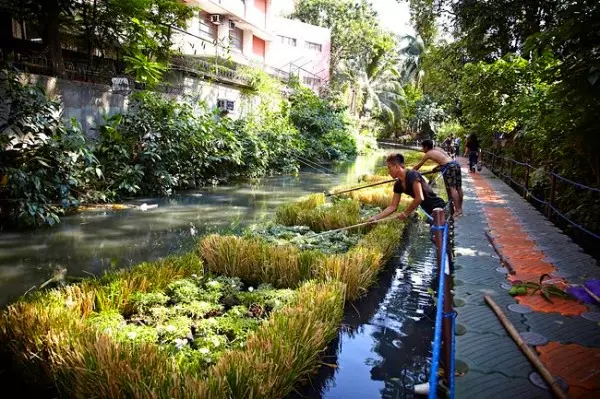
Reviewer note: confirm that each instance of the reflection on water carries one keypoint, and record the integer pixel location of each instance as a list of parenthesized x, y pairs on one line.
[(384, 346), (92, 241)]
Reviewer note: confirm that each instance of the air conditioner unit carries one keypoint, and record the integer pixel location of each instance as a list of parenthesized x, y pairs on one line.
[(231, 25), (215, 19)]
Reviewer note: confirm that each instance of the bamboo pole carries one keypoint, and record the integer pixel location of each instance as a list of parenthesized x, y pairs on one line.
[(360, 188), (529, 353), (590, 293), (372, 185), (503, 260), (387, 219)]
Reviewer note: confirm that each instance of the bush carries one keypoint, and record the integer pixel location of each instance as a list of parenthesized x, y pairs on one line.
[(47, 167), (324, 128)]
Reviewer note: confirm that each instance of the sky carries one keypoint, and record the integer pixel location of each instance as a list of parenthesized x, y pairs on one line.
[(394, 15)]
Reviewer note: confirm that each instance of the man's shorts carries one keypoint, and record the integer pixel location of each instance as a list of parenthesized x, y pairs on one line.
[(452, 176)]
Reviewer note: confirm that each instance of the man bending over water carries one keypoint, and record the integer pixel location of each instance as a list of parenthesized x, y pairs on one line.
[(411, 183), (450, 170)]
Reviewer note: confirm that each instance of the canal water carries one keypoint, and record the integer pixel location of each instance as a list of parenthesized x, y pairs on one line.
[(90, 242), (384, 345)]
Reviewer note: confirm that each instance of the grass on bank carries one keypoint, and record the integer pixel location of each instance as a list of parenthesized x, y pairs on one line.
[(61, 338)]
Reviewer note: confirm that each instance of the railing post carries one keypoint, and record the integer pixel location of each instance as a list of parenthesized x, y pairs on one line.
[(438, 220), (510, 171), (552, 194), (493, 161), (526, 176), (501, 165)]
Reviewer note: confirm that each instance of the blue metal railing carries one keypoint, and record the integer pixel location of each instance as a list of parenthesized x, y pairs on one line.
[(439, 316)]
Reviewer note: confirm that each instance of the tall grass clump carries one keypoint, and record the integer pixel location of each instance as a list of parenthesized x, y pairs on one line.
[(285, 349), (255, 261), (287, 266), (317, 214), (287, 214)]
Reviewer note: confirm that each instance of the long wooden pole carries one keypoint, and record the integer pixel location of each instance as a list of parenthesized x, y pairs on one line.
[(372, 185), (360, 188), (529, 353), (387, 219)]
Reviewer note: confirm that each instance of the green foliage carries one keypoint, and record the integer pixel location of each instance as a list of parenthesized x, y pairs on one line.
[(353, 23), (47, 165), (527, 72), (451, 129), (324, 129), (423, 17)]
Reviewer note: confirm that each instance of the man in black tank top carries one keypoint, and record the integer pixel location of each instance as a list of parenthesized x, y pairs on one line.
[(411, 183)]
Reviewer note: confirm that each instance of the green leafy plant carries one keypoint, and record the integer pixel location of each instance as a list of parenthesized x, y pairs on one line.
[(48, 166), (531, 288)]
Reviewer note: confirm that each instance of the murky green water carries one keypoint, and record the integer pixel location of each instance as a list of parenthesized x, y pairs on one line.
[(91, 242)]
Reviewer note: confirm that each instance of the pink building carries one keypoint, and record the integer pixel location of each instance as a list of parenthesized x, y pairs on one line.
[(252, 32)]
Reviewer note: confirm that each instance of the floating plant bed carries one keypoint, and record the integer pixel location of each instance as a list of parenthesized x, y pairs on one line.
[(165, 329), (285, 257)]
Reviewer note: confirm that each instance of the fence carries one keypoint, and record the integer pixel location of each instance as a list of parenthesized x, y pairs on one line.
[(521, 179), (443, 338)]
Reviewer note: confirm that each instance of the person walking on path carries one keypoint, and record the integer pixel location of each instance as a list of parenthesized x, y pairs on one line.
[(411, 183), (472, 149), (450, 170), (457, 146)]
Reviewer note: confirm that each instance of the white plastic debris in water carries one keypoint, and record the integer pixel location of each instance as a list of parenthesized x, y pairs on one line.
[(144, 207), (422, 389)]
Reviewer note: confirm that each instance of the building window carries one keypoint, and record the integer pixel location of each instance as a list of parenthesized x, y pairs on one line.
[(236, 38), (310, 81), (289, 41), (208, 30), (226, 105), (314, 46)]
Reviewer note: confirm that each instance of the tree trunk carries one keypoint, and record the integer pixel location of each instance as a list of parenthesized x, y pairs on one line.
[(52, 41)]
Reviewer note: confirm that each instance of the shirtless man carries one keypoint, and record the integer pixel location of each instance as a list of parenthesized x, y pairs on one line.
[(450, 170)]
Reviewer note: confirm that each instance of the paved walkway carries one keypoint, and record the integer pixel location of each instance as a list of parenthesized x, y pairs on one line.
[(532, 246)]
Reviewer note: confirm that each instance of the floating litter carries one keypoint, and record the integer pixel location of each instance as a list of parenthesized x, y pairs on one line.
[(537, 380), (533, 338), (503, 270), (522, 309), (397, 343)]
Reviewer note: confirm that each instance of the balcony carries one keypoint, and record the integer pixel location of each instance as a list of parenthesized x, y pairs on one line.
[(244, 15)]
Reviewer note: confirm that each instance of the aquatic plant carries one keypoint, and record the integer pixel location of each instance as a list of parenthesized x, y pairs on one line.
[(256, 260), (304, 238), (283, 350), (60, 339), (317, 214)]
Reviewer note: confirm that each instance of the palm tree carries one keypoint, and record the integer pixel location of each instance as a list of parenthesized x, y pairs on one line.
[(380, 85), (410, 54)]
